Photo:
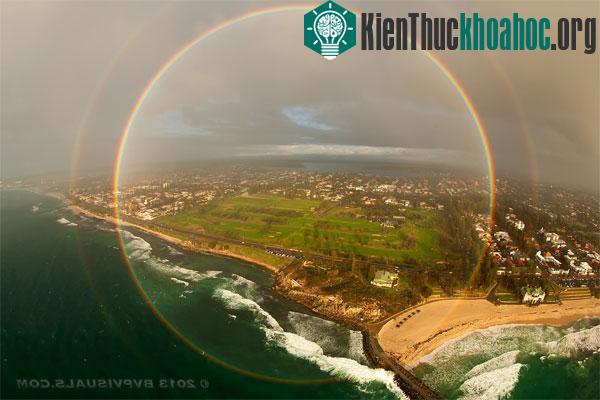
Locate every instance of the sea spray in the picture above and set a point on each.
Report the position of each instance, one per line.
(64, 221)
(301, 347)
(116, 318)
(181, 282)
(239, 294)
(505, 360)
(491, 385)
(235, 301)
(573, 344)
(329, 335)
(489, 363)
(140, 250)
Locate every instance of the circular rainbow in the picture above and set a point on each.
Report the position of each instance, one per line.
(169, 63)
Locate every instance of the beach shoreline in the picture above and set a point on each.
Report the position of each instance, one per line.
(441, 322)
(423, 333)
(482, 314)
(187, 245)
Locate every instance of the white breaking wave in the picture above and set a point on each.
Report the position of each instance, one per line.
(140, 250)
(136, 247)
(34, 209)
(173, 251)
(337, 366)
(495, 340)
(238, 280)
(184, 283)
(499, 375)
(502, 361)
(493, 384)
(188, 274)
(235, 301)
(356, 351)
(329, 335)
(324, 333)
(105, 228)
(244, 286)
(572, 344)
(66, 222)
(528, 338)
(301, 347)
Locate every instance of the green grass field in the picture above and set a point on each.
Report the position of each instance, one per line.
(304, 225)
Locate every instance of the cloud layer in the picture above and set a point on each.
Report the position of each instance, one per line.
(253, 89)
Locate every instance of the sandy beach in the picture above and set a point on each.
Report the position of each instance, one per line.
(437, 322)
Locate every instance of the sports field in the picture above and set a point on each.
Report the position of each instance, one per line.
(310, 225)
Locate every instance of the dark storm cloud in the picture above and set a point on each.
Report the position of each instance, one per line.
(253, 89)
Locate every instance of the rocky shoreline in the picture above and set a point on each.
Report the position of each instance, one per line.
(329, 307)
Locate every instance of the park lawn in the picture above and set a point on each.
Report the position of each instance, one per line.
(259, 255)
(313, 226)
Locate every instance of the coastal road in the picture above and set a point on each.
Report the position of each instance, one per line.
(292, 253)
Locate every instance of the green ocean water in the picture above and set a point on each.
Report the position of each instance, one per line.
(519, 362)
(72, 312)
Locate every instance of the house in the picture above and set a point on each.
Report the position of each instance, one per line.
(385, 278)
(555, 240)
(547, 259)
(533, 296)
(582, 269)
(502, 236)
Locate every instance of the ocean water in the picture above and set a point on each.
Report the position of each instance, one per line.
(72, 314)
(72, 311)
(518, 362)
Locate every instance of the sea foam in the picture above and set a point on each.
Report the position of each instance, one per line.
(66, 222)
(184, 283)
(301, 347)
(575, 343)
(494, 384)
(173, 251)
(235, 301)
(243, 286)
(140, 250)
(338, 366)
(502, 361)
(495, 351)
(328, 335)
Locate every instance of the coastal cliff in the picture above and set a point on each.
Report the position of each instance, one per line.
(332, 306)
(326, 299)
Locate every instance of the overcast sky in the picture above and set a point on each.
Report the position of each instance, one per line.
(74, 69)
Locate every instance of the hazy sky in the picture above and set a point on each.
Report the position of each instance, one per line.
(74, 69)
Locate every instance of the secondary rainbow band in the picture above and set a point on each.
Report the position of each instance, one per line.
(99, 89)
(165, 67)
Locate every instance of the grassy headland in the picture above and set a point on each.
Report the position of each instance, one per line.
(315, 227)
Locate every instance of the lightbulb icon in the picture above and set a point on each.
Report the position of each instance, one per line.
(330, 30)
(330, 27)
